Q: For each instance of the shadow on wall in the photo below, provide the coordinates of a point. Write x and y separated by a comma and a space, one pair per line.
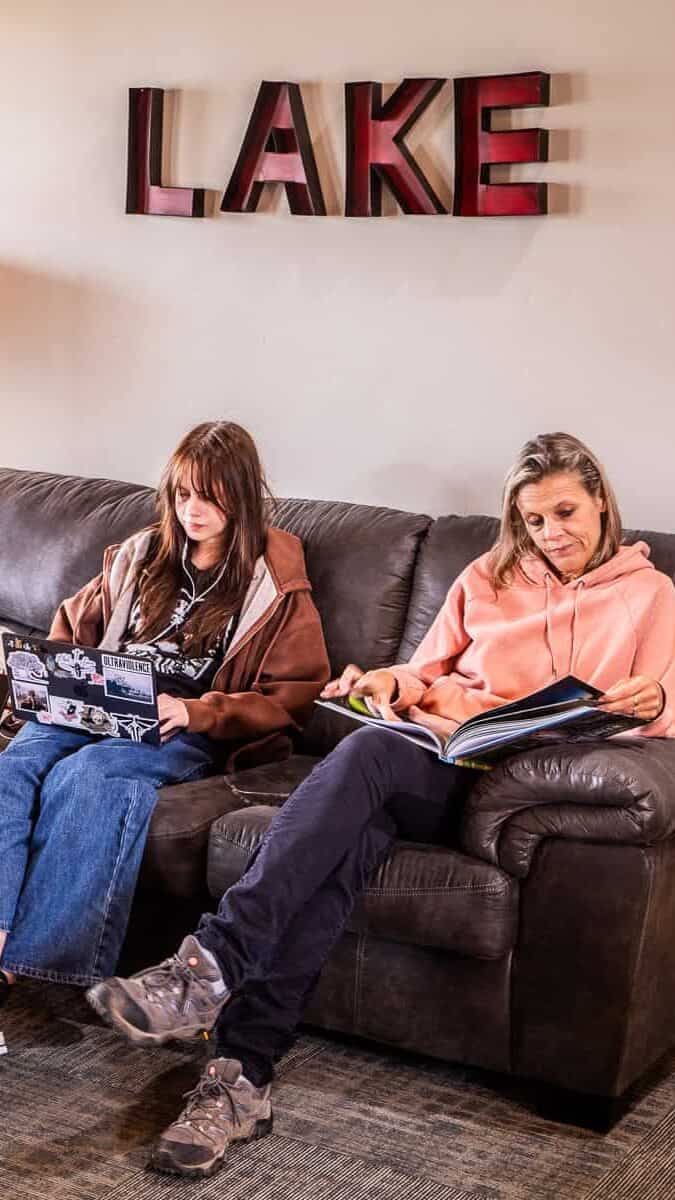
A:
440, 493
68, 348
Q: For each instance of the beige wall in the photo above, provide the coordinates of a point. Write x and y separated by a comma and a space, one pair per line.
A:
397, 361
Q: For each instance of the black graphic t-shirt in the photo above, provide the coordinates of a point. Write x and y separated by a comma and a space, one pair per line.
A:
178, 673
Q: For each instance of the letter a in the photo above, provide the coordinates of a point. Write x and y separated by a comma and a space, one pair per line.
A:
276, 149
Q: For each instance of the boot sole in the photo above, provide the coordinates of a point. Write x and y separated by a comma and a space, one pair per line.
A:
140, 1037
163, 1162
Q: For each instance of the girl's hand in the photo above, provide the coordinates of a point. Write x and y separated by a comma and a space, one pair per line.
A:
173, 715
343, 685
637, 697
440, 725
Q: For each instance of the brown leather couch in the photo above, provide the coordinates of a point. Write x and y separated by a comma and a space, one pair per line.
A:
540, 942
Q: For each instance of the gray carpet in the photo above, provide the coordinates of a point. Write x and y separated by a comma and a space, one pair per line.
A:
79, 1110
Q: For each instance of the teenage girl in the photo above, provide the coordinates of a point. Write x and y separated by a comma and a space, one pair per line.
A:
221, 603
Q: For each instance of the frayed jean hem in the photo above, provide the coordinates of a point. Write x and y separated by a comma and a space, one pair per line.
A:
48, 976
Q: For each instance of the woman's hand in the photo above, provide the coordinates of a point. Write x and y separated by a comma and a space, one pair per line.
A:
441, 725
377, 688
343, 685
637, 697
173, 715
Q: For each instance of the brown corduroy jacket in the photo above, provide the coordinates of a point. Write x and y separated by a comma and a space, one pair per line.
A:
276, 662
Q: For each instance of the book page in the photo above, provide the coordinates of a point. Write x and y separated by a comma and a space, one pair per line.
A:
415, 733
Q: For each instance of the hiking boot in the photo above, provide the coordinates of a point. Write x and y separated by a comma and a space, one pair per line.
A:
223, 1108
179, 999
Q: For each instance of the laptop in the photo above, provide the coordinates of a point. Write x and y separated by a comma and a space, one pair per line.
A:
82, 688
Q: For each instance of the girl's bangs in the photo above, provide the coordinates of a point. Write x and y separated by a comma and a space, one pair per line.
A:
199, 470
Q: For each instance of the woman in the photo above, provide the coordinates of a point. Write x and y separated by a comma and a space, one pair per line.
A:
557, 593
221, 603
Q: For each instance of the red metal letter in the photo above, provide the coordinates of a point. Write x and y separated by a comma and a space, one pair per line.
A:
145, 193
377, 153
276, 149
477, 147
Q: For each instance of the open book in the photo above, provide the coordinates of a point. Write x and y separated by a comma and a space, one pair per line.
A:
566, 710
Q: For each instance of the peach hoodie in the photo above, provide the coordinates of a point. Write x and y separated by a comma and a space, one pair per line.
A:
486, 648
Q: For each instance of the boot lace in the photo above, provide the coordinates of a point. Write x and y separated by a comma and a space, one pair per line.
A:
172, 978
202, 1099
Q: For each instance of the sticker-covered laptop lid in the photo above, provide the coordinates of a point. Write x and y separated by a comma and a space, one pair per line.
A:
82, 688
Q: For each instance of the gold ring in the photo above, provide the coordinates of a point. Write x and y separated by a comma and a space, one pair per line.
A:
635, 707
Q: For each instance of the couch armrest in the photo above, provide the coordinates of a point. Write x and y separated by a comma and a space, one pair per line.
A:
621, 791
176, 850
174, 860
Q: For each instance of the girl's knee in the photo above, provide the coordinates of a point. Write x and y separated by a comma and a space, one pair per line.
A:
81, 772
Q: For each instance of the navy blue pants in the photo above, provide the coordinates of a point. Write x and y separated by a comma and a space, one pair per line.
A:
275, 928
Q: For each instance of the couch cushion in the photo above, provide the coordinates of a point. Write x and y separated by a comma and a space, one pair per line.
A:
273, 782
662, 546
174, 861
424, 895
53, 530
451, 544
360, 560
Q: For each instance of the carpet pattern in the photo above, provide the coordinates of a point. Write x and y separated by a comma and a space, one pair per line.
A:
79, 1110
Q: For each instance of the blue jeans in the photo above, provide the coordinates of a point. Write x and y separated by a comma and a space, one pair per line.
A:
74, 817
275, 928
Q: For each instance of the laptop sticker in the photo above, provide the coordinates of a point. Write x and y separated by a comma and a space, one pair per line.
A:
26, 666
75, 664
31, 697
127, 679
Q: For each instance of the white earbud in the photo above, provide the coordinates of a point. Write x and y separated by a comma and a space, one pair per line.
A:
186, 605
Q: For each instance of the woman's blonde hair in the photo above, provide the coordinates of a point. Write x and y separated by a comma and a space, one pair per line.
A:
551, 454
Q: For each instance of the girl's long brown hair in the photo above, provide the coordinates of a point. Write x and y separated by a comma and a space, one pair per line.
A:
551, 454
221, 461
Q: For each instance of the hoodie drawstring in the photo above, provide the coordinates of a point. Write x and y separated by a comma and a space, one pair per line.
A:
573, 648
547, 629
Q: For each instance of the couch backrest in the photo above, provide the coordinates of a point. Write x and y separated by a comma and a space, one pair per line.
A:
53, 531
54, 528
361, 562
450, 545
379, 575
452, 542
361, 559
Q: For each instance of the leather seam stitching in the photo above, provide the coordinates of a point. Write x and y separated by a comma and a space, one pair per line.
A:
437, 891
182, 833
637, 958
360, 950
275, 795
233, 841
